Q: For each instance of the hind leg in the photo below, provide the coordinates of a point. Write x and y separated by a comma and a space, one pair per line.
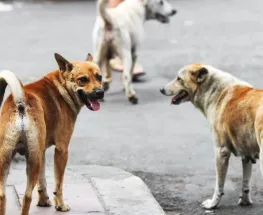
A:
32, 170
5, 161
35, 150
8, 137
43, 198
100, 58
128, 61
106, 76
245, 198
134, 58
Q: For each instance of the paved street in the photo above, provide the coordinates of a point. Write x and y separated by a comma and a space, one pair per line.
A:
169, 147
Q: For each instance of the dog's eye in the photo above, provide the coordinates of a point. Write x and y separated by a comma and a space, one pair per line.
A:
99, 77
180, 80
161, 2
83, 79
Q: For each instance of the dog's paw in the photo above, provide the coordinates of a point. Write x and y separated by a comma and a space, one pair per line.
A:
105, 86
209, 204
245, 201
133, 100
62, 208
46, 203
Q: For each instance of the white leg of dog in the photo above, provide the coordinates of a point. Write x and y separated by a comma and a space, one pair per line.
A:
127, 77
245, 198
100, 59
222, 159
106, 72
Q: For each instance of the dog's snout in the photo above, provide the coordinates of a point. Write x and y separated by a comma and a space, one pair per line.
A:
173, 12
99, 93
162, 91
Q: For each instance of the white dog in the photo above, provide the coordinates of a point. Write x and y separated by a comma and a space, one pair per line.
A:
118, 31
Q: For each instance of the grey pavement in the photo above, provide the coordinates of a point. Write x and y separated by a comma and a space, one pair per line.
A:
169, 147
89, 189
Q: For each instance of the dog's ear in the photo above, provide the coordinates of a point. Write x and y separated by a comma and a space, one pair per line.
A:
200, 74
89, 57
64, 65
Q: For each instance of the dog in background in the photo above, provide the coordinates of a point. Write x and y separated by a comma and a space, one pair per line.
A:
118, 32
39, 115
234, 110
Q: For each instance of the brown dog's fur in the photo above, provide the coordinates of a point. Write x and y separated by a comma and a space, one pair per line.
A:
234, 110
39, 115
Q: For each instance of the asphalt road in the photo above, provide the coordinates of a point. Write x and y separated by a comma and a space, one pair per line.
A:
168, 146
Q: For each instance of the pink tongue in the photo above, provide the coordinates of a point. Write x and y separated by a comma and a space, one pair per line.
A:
95, 105
173, 99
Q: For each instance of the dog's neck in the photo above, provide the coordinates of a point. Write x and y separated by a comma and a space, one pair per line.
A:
211, 90
147, 13
66, 92
139, 8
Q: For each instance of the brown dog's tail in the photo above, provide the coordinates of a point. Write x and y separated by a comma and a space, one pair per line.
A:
102, 8
16, 87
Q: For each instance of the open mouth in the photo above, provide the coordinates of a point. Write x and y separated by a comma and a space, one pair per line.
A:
91, 104
161, 18
179, 97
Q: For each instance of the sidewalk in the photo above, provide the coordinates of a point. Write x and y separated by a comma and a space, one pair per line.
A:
93, 190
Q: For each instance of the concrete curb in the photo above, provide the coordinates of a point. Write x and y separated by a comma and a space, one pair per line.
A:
126, 196
91, 189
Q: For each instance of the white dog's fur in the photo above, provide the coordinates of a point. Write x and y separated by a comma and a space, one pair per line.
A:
118, 31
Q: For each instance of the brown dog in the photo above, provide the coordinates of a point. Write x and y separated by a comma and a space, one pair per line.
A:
234, 110
42, 114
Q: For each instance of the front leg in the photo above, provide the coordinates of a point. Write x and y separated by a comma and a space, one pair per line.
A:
60, 162
222, 159
245, 198
134, 59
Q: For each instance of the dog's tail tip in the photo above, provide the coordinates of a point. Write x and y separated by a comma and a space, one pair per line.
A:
5, 71
9, 78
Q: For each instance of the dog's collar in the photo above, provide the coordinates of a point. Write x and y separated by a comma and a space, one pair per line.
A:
147, 11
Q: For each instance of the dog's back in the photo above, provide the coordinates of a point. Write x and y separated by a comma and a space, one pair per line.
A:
127, 15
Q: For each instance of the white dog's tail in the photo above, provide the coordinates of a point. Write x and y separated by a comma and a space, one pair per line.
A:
16, 87
102, 8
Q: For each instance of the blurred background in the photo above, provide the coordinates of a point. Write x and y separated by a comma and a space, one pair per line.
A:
169, 147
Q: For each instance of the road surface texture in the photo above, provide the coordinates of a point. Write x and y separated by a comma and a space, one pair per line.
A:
169, 147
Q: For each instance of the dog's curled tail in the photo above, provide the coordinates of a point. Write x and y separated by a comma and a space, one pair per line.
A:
102, 8
16, 87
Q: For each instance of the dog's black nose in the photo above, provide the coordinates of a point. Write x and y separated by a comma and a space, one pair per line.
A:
99, 93
173, 12
162, 91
